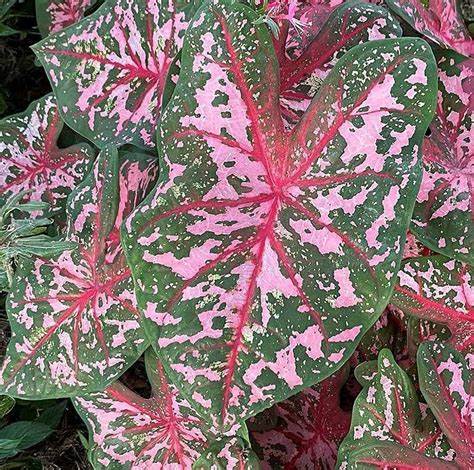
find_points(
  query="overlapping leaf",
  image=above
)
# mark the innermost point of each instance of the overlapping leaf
(390, 429)
(74, 323)
(304, 431)
(255, 259)
(444, 214)
(54, 15)
(31, 160)
(447, 383)
(108, 72)
(304, 64)
(228, 454)
(441, 290)
(441, 22)
(131, 432)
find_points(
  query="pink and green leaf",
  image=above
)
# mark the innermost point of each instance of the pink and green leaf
(307, 428)
(75, 324)
(440, 290)
(303, 66)
(255, 260)
(54, 15)
(441, 22)
(31, 160)
(447, 383)
(390, 428)
(108, 71)
(131, 432)
(444, 214)
(228, 454)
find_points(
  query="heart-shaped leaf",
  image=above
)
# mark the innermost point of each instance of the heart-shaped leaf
(303, 66)
(390, 428)
(307, 428)
(441, 22)
(131, 432)
(74, 322)
(447, 383)
(108, 72)
(255, 259)
(54, 15)
(31, 160)
(438, 289)
(444, 213)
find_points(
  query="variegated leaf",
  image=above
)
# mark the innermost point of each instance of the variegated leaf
(54, 15)
(447, 383)
(255, 259)
(441, 290)
(303, 67)
(441, 22)
(31, 160)
(390, 428)
(108, 72)
(131, 432)
(307, 428)
(228, 454)
(74, 321)
(444, 213)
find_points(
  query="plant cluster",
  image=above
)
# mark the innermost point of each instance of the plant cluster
(271, 202)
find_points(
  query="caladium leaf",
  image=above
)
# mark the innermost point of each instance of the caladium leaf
(304, 66)
(108, 71)
(228, 454)
(74, 321)
(441, 290)
(420, 330)
(441, 22)
(30, 159)
(390, 428)
(54, 15)
(444, 213)
(255, 259)
(131, 432)
(308, 428)
(447, 383)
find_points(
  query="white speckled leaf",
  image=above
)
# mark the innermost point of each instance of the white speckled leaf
(304, 66)
(447, 383)
(441, 290)
(108, 72)
(131, 432)
(444, 214)
(256, 261)
(31, 160)
(391, 429)
(75, 326)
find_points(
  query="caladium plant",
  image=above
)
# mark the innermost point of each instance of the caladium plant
(30, 159)
(73, 317)
(304, 64)
(391, 429)
(55, 15)
(447, 383)
(441, 290)
(163, 431)
(304, 431)
(255, 262)
(108, 71)
(440, 21)
(444, 213)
